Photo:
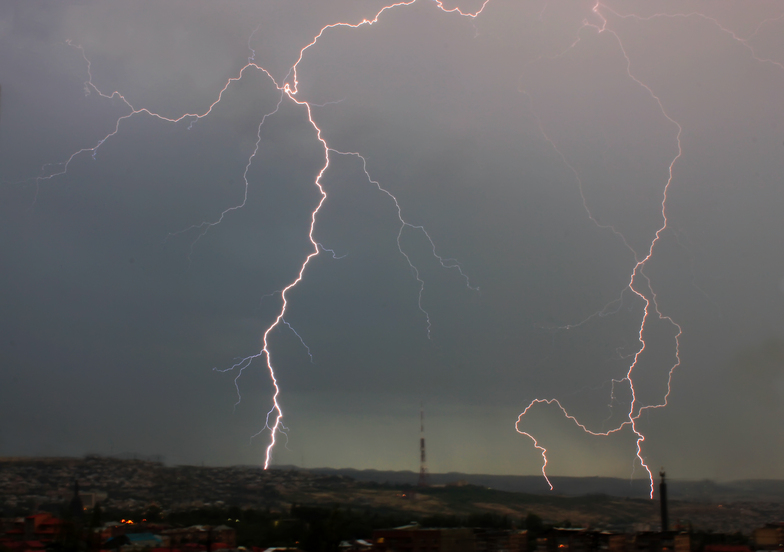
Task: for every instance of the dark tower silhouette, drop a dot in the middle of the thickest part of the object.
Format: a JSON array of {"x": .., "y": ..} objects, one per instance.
[
  {"x": 422, "y": 457},
  {"x": 76, "y": 507},
  {"x": 665, "y": 524}
]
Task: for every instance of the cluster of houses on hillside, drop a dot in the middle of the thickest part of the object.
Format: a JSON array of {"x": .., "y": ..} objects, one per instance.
[
  {"x": 29, "y": 484},
  {"x": 559, "y": 539},
  {"x": 45, "y": 532},
  {"x": 42, "y": 532},
  {"x": 136, "y": 483}
]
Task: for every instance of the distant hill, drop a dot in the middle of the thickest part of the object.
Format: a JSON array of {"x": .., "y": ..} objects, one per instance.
[
  {"x": 765, "y": 490},
  {"x": 599, "y": 502},
  {"x": 703, "y": 491}
]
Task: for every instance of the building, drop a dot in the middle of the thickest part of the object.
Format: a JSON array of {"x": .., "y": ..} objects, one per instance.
[
  {"x": 91, "y": 499},
  {"x": 202, "y": 535},
  {"x": 413, "y": 538},
  {"x": 498, "y": 540},
  {"x": 582, "y": 539},
  {"x": 37, "y": 527},
  {"x": 30, "y": 534},
  {"x": 142, "y": 541},
  {"x": 770, "y": 537},
  {"x": 562, "y": 539},
  {"x": 355, "y": 545},
  {"x": 726, "y": 548}
]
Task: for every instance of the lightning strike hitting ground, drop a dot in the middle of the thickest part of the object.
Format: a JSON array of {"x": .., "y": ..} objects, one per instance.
[
  {"x": 639, "y": 284},
  {"x": 288, "y": 89},
  {"x": 635, "y": 410}
]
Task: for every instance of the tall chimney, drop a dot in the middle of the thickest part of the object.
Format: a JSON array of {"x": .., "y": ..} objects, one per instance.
[
  {"x": 665, "y": 525},
  {"x": 422, "y": 458}
]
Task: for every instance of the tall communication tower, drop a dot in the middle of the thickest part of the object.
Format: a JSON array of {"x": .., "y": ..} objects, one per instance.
[{"x": 422, "y": 457}]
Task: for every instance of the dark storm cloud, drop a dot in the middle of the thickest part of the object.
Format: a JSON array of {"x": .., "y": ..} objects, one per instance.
[{"x": 116, "y": 308}]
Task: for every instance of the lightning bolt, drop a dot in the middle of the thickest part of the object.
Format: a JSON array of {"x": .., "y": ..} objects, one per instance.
[
  {"x": 639, "y": 283},
  {"x": 637, "y": 275},
  {"x": 745, "y": 42},
  {"x": 288, "y": 88}
]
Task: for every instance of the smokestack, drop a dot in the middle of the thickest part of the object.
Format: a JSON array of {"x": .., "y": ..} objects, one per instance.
[
  {"x": 665, "y": 525},
  {"x": 422, "y": 457}
]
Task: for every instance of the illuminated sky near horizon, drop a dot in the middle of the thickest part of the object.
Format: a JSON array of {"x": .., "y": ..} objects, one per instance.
[{"x": 533, "y": 143}]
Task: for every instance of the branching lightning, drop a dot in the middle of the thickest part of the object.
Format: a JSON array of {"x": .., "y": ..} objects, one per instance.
[
  {"x": 288, "y": 89},
  {"x": 639, "y": 283},
  {"x": 645, "y": 293},
  {"x": 300, "y": 340},
  {"x": 446, "y": 263}
]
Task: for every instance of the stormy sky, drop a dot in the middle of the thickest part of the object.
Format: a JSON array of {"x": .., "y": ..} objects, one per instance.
[{"x": 532, "y": 143}]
